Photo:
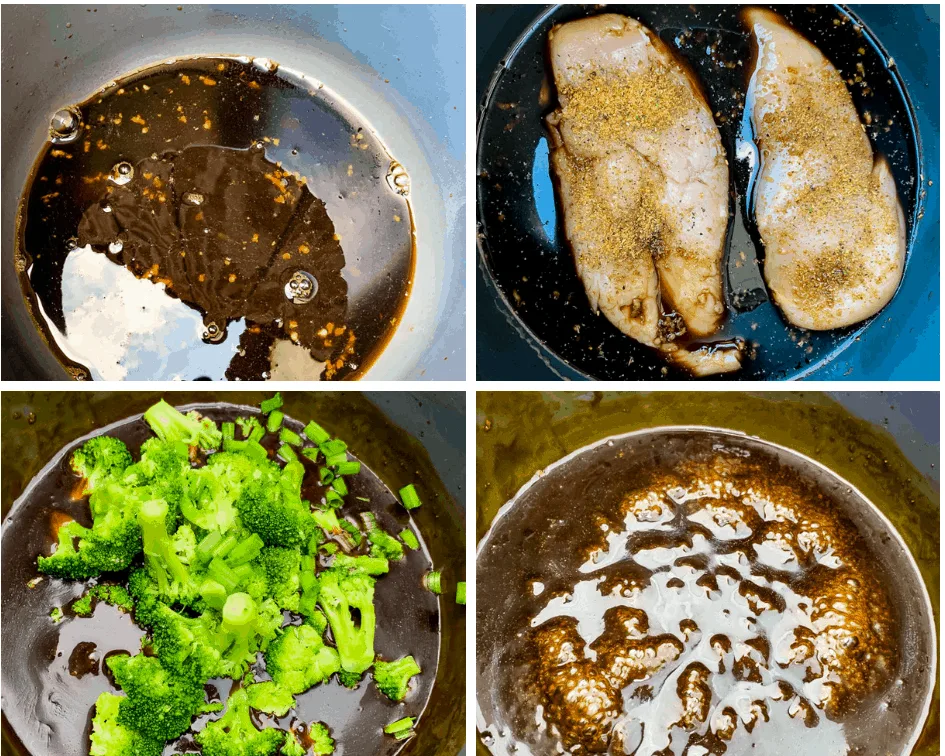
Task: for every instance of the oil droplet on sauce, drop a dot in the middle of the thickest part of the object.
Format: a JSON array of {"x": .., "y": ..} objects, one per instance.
[{"x": 194, "y": 192}]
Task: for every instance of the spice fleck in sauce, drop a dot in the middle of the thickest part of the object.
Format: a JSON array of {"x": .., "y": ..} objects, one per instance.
[
  {"x": 215, "y": 218},
  {"x": 714, "y": 606}
]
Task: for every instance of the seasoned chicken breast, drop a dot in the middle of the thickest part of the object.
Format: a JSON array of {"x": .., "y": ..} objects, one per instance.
[
  {"x": 643, "y": 183},
  {"x": 826, "y": 207}
]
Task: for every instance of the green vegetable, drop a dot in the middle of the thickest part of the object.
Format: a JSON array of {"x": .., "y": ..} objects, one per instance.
[
  {"x": 338, "y": 593},
  {"x": 393, "y": 678},
  {"x": 288, "y": 436},
  {"x": 109, "y": 738},
  {"x": 461, "y": 593},
  {"x": 56, "y": 615},
  {"x": 116, "y": 595},
  {"x": 298, "y": 659},
  {"x": 270, "y": 698},
  {"x": 431, "y": 581},
  {"x": 409, "y": 539},
  {"x": 348, "y": 467},
  {"x": 408, "y": 495},
  {"x": 159, "y": 704},
  {"x": 234, "y": 734},
  {"x": 268, "y": 405},
  {"x": 274, "y": 421},
  {"x": 401, "y": 729},
  {"x": 100, "y": 459},
  {"x": 316, "y": 433},
  {"x": 169, "y": 424}
]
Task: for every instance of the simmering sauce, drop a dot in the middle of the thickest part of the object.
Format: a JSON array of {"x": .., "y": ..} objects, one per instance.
[
  {"x": 714, "y": 603},
  {"x": 215, "y": 218}
]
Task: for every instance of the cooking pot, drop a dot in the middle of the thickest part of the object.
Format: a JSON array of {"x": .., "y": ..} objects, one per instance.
[
  {"x": 400, "y": 67},
  {"x": 400, "y": 438},
  {"x": 873, "y": 455}
]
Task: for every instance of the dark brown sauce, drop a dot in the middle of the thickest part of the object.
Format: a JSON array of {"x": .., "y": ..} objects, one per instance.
[
  {"x": 171, "y": 228},
  {"x": 621, "y": 598},
  {"x": 408, "y": 622}
]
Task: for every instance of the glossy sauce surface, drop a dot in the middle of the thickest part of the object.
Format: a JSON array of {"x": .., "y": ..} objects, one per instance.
[
  {"x": 215, "y": 218},
  {"x": 698, "y": 600}
]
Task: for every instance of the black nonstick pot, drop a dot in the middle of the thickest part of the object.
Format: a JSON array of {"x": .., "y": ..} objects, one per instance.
[{"x": 534, "y": 320}]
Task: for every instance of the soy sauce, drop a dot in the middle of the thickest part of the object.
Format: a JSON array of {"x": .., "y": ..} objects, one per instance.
[{"x": 215, "y": 218}]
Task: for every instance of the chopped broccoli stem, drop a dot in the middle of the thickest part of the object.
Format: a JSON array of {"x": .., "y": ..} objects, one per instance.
[
  {"x": 409, "y": 539},
  {"x": 349, "y": 467},
  {"x": 316, "y": 433},
  {"x": 461, "y": 593},
  {"x": 408, "y": 495},
  {"x": 228, "y": 430},
  {"x": 288, "y": 436},
  {"x": 274, "y": 421},
  {"x": 288, "y": 453},
  {"x": 401, "y": 729},
  {"x": 273, "y": 403},
  {"x": 432, "y": 581},
  {"x": 336, "y": 460},
  {"x": 335, "y": 446},
  {"x": 339, "y": 486}
]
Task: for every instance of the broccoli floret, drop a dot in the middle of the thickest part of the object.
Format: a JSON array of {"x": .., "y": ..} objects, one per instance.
[
  {"x": 184, "y": 644},
  {"x": 210, "y": 493},
  {"x": 109, "y": 545},
  {"x": 292, "y": 747},
  {"x": 271, "y": 698},
  {"x": 99, "y": 459},
  {"x": 161, "y": 557},
  {"x": 82, "y": 607},
  {"x": 281, "y": 567},
  {"x": 392, "y": 678},
  {"x": 298, "y": 659},
  {"x": 275, "y": 510},
  {"x": 321, "y": 740},
  {"x": 56, "y": 615},
  {"x": 339, "y": 593},
  {"x": 116, "y": 595},
  {"x": 234, "y": 734},
  {"x": 159, "y": 704},
  {"x": 109, "y": 738},
  {"x": 350, "y": 679},
  {"x": 245, "y": 628},
  {"x": 169, "y": 424}
]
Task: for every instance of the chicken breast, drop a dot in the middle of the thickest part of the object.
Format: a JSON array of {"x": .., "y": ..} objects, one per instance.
[
  {"x": 826, "y": 208},
  {"x": 643, "y": 183}
]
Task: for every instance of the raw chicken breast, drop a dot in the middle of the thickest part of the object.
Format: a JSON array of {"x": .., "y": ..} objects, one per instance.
[
  {"x": 643, "y": 182},
  {"x": 826, "y": 208}
]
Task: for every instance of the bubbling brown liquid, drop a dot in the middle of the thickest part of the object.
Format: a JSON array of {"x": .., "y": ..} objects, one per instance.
[
  {"x": 716, "y": 609},
  {"x": 215, "y": 218}
]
